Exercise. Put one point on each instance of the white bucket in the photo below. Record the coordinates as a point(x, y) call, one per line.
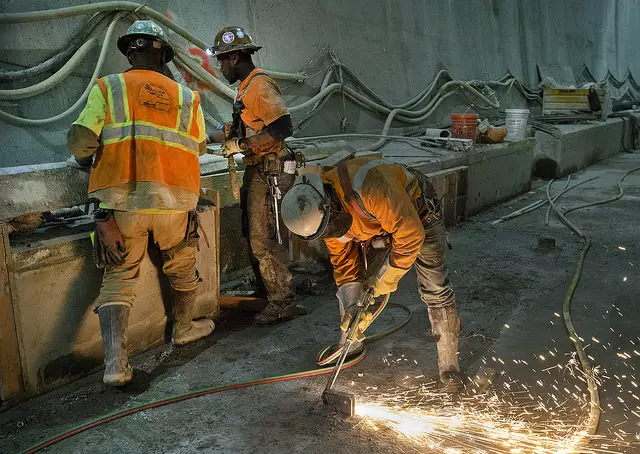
point(516, 123)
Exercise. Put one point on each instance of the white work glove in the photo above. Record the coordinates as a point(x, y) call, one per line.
point(348, 295)
point(233, 146)
point(74, 164)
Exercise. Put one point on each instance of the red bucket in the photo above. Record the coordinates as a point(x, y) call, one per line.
point(463, 126)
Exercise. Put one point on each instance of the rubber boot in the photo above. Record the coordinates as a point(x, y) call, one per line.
point(113, 327)
point(445, 325)
point(185, 329)
point(279, 311)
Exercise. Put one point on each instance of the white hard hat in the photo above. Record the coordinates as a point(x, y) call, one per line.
point(305, 207)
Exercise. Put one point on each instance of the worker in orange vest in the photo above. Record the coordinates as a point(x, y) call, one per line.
point(369, 202)
point(261, 122)
point(142, 134)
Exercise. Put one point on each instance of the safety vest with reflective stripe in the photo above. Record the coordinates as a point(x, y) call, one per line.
point(150, 133)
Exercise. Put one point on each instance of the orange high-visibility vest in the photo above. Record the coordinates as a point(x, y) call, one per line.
point(150, 133)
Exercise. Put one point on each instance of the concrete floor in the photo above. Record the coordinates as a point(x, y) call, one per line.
point(508, 292)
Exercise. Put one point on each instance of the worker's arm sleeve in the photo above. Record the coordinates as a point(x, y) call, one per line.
point(281, 128)
point(82, 143)
point(202, 131)
point(83, 139)
point(390, 204)
point(271, 135)
point(267, 104)
point(346, 261)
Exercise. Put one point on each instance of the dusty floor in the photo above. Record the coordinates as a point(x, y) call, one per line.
point(509, 291)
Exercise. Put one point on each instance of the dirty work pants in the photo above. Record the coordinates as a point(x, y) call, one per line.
point(119, 283)
point(271, 258)
point(431, 268)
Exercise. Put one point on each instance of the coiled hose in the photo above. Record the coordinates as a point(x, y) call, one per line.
point(9, 118)
point(55, 62)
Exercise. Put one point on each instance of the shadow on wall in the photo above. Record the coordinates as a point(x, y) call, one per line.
point(85, 349)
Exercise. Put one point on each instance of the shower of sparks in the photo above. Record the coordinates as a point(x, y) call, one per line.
point(481, 423)
point(546, 414)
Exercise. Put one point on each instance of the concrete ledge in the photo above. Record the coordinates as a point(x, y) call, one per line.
point(54, 283)
point(581, 145)
point(496, 172)
point(45, 187)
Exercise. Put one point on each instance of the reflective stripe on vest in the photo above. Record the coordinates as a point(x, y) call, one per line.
point(150, 133)
point(122, 128)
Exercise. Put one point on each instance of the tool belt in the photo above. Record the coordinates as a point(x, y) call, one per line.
point(428, 204)
point(275, 163)
point(191, 237)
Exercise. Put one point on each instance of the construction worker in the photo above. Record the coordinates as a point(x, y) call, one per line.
point(145, 132)
point(368, 202)
point(260, 124)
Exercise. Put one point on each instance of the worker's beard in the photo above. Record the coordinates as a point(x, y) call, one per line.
point(339, 224)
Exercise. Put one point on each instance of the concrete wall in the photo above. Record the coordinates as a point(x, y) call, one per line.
point(394, 46)
point(58, 334)
point(580, 145)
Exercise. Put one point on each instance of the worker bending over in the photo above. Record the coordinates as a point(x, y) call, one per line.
point(146, 132)
point(370, 202)
point(260, 124)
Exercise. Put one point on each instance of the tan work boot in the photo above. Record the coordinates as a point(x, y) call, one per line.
point(445, 325)
point(185, 329)
point(279, 311)
point(114, 322)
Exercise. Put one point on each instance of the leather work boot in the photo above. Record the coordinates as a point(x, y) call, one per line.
point(113, 327)
point(445, 325)
point(279, 311)
point(185, 329)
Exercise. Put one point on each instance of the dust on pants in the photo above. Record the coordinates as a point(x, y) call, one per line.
point(272, 257)
point(119, 283)
point(431, 268)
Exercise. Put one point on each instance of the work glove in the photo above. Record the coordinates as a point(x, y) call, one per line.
point(349, 295)
point(83, 164)
point(108, 244)
point(233, 146)
point(227, 128)
point(386, 280)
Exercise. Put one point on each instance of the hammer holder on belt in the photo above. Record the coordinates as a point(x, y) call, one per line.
point(271, 164)
point(191, 237)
